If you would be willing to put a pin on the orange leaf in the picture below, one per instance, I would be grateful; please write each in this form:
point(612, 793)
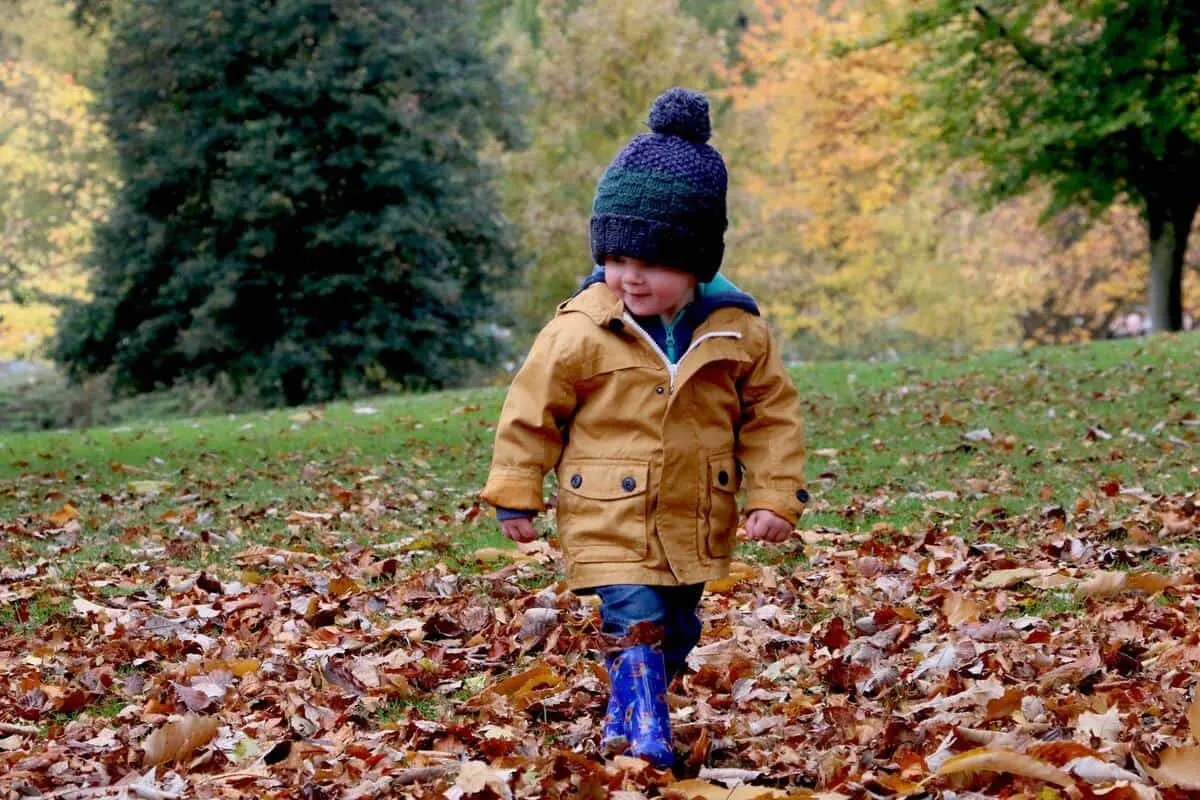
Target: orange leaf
point(960, 608)
point(64, 515)
point(1178, 766)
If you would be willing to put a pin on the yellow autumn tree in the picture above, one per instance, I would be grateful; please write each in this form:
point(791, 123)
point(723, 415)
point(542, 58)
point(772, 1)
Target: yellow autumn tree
point(856, 244)
point(842, 234)
point(54, 168)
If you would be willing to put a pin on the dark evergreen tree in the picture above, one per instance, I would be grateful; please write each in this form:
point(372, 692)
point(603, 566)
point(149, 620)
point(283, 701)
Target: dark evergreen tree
point(304, 206)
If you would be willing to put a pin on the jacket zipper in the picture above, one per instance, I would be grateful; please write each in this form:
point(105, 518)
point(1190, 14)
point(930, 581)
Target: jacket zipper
point(673, 368)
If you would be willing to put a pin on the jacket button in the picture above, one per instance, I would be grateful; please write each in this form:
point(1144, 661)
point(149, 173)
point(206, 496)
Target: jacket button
point(802, 495)
point(576, 481)
point(628, 484)
point(722, 477)
point(659, 390)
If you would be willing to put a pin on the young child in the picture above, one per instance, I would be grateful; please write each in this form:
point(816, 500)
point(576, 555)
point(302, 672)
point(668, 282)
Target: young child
point(649, 393)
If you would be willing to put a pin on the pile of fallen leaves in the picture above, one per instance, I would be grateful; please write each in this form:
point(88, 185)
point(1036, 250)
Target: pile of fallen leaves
point(888, 663)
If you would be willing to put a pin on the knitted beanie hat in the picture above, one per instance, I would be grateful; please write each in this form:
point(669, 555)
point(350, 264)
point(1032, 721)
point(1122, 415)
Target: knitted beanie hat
point(662, 199)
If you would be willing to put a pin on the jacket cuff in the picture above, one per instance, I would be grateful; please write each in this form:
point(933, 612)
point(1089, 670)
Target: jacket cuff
point(514, 488)
point(787, 503)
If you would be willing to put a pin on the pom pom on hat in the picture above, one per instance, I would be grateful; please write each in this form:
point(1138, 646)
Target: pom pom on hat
point(683, 113)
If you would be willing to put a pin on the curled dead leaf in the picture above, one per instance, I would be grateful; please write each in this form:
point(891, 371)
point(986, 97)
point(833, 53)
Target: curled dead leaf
point(1009, 761)
point(1004, 578)
point(1179, 767)
point(1102, 583)
point(176, 741)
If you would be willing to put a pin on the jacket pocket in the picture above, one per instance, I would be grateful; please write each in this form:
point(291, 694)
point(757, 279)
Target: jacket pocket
point(602, 510)
point(724, 479)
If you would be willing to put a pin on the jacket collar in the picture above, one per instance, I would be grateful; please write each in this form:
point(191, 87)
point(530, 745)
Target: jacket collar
point(598, 303)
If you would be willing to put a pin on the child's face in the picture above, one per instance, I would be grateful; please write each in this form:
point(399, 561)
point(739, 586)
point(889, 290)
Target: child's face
point(648, 289)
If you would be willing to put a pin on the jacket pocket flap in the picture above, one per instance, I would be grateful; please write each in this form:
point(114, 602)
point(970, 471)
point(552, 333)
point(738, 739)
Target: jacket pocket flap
point(604, 479)
point(724, 474)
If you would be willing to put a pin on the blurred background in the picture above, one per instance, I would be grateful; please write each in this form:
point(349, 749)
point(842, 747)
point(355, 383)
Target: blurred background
point(236, 204)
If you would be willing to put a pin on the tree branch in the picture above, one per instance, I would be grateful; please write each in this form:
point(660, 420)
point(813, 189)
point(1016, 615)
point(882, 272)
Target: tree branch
point(1025, 49)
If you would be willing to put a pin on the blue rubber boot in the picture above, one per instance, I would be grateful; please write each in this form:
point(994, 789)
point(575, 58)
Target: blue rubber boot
point(614, 739)
point(642, 677)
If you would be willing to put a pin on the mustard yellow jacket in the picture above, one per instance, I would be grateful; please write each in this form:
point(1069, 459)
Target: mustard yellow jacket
point(649, 456)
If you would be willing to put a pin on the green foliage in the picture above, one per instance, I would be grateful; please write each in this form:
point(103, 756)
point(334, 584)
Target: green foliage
point(1096, 100)
point(592, 75)
point(304, 209)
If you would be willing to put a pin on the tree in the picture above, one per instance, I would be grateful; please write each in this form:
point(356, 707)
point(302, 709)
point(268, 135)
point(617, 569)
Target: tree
point(845, 237)
point(303, 208)
point(1097, 100)
point(55, 169)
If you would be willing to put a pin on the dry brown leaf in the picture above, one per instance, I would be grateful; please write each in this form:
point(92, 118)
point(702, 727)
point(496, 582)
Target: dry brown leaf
point(738, 572)
point(1193, 717)
point(695, 788)
point(1004, 578)
point(1149, 582)
point(64, 515)
point(475, 777)
point(1178, 766)
point(1102, 584)
point(176, 741)
point(960, 608)
point(1010, 761)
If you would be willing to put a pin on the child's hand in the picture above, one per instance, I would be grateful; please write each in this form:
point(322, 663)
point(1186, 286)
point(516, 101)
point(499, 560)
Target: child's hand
point(519, 530)
point(767, 526)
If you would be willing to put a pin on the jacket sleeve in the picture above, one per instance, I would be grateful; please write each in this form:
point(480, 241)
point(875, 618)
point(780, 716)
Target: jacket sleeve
point(770, 443)
point(529, 435)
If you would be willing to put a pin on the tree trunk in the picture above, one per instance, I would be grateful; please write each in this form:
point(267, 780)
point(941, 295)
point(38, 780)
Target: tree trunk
point(1170, 223)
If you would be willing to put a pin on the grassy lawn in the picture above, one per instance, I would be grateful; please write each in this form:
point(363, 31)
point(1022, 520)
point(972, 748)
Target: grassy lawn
point(328, 569)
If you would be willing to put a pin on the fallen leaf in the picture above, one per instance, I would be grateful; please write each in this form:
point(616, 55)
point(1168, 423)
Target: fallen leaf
point(696, 788)
point(475, 777)
point(1178, 766)
point(1010, 761)
point(1102, 584)
point(64, 515)
point(178, 740)
point(1193, 717)
point(1106, 726)
point(1004, 578)
point(960, 608)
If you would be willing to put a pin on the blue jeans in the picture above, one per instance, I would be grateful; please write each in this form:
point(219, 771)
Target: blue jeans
point(623, 605)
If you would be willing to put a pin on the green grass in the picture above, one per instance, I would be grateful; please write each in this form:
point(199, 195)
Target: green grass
point(887, 447)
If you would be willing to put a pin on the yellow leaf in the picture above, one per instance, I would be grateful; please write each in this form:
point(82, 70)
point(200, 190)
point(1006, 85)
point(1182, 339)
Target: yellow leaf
point(529, 686)
point(64, 515)
point(983, 760)
point(1102, 584)
point(342, 586)
point(488, 554)
point(1148, 582)
point(178, 740)
point(1004, 578)
point(738, 572)
point(960, 608)
point(148, 487)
